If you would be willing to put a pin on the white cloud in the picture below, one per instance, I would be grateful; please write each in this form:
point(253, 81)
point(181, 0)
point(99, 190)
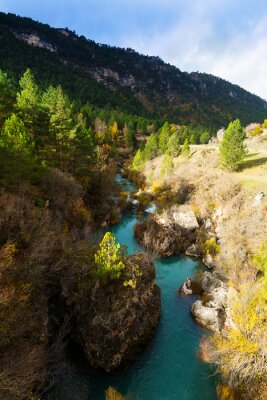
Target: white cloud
point(197, 44)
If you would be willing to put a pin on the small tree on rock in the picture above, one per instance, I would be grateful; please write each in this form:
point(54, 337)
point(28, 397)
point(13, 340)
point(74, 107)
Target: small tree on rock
point(108, 259)
point(232, 147)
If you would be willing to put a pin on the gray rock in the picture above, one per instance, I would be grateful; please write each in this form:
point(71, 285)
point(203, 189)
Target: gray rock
point(211, 311)
point(186, 287)
point(208, 261)
point(193, 251)
point(205, 316)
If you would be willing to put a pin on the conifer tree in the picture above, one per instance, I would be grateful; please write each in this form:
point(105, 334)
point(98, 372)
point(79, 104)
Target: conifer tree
point(164, 136)
point(108, 259)
point(15, 136)
point(138, 160)
point(173, 146)
point(7, 97)
point(185, 152)
point(28, 104)
point(151, 149)
point(60, 116)
point(232, 147)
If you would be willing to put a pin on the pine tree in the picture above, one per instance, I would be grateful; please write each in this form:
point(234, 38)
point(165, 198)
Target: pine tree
point(108, 259)
point(151, 149)
point(164, 136)
point(28, 104)
point(232, 147)
point(185, 152)
point(15, 136)
point(173, 146)
point(139, 160)
point(7, 97)
point(167, 165)
point(60, 115)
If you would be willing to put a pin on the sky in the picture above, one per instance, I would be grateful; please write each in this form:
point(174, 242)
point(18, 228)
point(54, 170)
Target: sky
point(227, 38)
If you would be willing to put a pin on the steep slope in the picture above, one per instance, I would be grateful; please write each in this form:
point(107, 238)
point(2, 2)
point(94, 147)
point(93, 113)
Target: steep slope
point(122, 79)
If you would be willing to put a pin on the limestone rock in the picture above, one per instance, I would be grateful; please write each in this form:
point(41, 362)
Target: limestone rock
point(186, 287)
point(193, 251)
point(186, 220)
point(211, 311)
point(208, 261)
point(205, 316)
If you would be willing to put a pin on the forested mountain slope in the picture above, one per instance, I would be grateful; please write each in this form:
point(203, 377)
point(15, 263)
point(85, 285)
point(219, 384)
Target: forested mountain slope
point(121, 79)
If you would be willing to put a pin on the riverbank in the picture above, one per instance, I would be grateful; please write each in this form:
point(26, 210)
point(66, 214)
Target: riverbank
point(231, 240)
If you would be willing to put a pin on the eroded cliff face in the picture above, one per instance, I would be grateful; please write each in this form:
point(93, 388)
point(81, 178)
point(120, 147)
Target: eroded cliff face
point(116, 321)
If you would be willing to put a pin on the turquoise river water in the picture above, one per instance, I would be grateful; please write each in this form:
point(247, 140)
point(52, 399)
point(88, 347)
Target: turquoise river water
point(169, 368)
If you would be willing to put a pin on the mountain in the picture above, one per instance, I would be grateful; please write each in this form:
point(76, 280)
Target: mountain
point(121, 79)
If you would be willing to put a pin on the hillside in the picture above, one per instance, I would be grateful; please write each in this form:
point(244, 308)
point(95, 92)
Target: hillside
point(121, 79)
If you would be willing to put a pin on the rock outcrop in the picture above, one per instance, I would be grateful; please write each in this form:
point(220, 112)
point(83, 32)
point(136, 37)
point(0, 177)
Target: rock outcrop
point(168, 234)
point(116, 321)
point(211, 311)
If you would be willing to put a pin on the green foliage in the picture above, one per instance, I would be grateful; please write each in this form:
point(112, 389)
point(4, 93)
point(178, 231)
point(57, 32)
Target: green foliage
point(139, 160)
point(185, 152)
point(151, 148)
point(108, 259)
point(163, 138)
point(15, 136)
point(129, 136)
point(204, 138)
point(232, 147)
point(173, 146)
point(7, 97)
point(167, 165)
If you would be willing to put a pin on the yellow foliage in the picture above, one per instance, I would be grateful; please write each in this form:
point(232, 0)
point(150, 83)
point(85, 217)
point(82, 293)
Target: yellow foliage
point(7, 254)
point(112, 394)
point(113, 130)
point(241, 355)
point(156, 187)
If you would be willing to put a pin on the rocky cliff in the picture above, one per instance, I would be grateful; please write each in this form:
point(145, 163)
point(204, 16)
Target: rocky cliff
point(116, 321)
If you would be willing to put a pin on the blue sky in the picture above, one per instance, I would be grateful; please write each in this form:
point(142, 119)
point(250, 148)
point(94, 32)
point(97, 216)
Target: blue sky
point(227, 38)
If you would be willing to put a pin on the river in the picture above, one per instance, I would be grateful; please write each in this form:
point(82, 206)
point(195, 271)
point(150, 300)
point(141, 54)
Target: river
point(169, 368)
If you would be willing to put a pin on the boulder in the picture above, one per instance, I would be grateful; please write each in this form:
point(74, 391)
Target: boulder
point(193, 251)
point(168, 234)
point(186, 287)
point(205, 316)
point(186, 220)
point(208, 261)
point(211, 311)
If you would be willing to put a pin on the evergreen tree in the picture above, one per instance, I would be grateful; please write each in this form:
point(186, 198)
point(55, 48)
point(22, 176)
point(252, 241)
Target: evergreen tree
point(60, 115)
point(108, 259)
point(204, 137)
point(28, 104)
point(7, 97)
point(173, 146)
point(232, 147)
point(164, 136)
point(151, 148)
point(129, 136)
point(15, 136)
point(167, 165)
point(185, 152)
point(139, 160)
